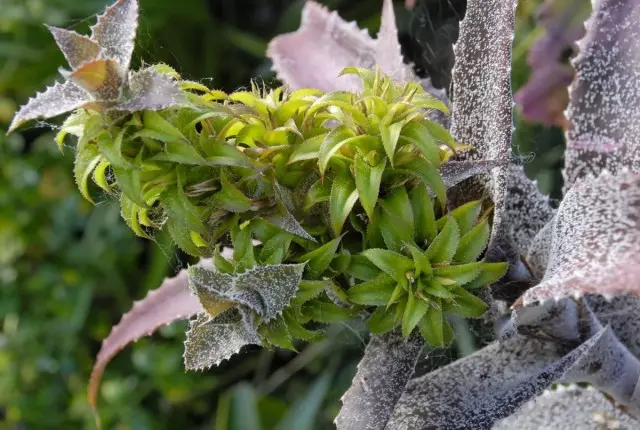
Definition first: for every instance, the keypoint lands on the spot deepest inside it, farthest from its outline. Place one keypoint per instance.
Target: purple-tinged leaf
(605, 96)
(77, 48)
(315, 54)
(455, 172)
(482, 388)
(388, 51)
(545, 97)
(170, 302)
(482, 106)
(151, 91)
(581, 408)
(100, 78)
(212, 340)
(382, 376)
(56, 100)
(594, 242)
(115, 32)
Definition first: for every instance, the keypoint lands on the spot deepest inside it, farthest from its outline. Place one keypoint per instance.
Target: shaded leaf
(368, 180)
(344, 196)
(153, 91)
(375, 292)
(319, 259)
(392, 263)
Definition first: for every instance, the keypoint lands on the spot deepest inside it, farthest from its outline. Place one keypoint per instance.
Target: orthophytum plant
(348, 194)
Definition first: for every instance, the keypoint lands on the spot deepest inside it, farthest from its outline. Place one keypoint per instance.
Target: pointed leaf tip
(115, 32)
(56, 100)
(170, 302)
(77, 48)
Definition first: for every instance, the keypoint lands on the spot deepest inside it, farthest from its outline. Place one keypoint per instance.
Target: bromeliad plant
(351, 201)
(334, 204)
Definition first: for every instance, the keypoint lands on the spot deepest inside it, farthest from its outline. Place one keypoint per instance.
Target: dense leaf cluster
(336, 197)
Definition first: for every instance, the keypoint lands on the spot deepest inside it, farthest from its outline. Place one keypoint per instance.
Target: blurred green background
(68, 269)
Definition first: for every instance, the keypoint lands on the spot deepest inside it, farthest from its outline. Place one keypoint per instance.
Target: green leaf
(460, 273)
(319, 192)
(382, 320)
(376, 292)
(87, 159)
(434, 288)
(154, 121)
(374, 233)
(243, 413)
(296, 330)
(420, 260)
(129, 182)
(129, 211)
(179, 207)
(332, 143)
(361, 268)
(100, 175)
(491, 272)
(112, 149)
(465, 215)
(440, 133)
(397, 224)
(473, 243)
(368, 180)
(223, 154)
(325, 312)
(309, 149)
(392, 263)
(389, 135)
(465, 304)
(343, 196)
(444, 247)
(414, 311)
(180, 152)
(222, 264)
(435, 328)
(230, 198)
(311, 289)
(275, 333)
(319, 259)
(420, 136)
(243, 253)
(275, 249)
(425, 171)
(423, 215)
(427, 101)
(182, 237)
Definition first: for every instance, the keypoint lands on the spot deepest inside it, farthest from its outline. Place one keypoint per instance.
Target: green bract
(333, 204)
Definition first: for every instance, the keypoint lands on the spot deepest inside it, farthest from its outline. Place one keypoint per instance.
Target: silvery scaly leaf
(487, 386)
(267, 290)
(170, 302)
(388, 363)
(545, 96)
(608, 364)
(594, 241)
(527, 210)
(115, 32)
(581, 408)
(77, 48)
(388, 51)
(212, 340)
(482, 105)
(314, 55)
(605, 96)
(455, 172)
(55, 100)
(150, 90)
(100, 78)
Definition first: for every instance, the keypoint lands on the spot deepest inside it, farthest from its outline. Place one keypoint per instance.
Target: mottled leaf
(100, 77)
(153, 91)
(594, 240)
(212, 340)
(382, 375)
(115, 32)
(77, 49)
(605, 96)
(57, 99)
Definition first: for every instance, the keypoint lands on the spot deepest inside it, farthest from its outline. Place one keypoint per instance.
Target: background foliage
(68, 270)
